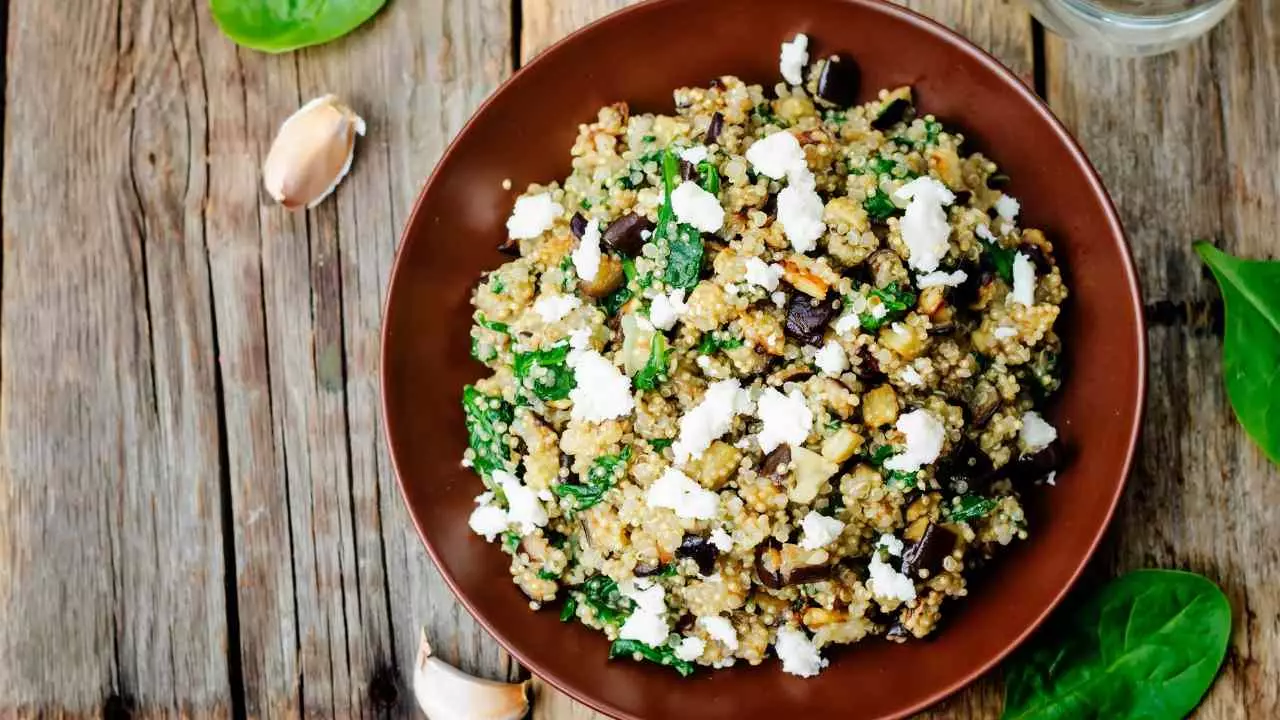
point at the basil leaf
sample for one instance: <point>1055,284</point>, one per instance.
<point>488,420</point>
<point>276,26</point>
<point>488,324</point>
<point>969,507</point>
<point>549,369</point>
<point>1147,646</point>
<point>1251,350</point>
<point>547,575</point>
<point>655,370</point>
<point>662,656</point>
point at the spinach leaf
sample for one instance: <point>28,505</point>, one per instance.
<point>714,342</point>
<point>880,453</point>
<point>999,259</point>
<point>601,594</point>
<point>488,420</point>
<point>710,177</point>
<point>547,575</point>
<point>1251,351</point>
<point>684,263</point>
<point>932,129</point>
<point>549,369</point>
<point>661,444</point>
<point>488,324</point>
<point>969,507</point>
<point>655,370</point>
<point>662,656</point>
<point>282,25</point>
<point>896,300</point>
<point>601,476</point>
<point>878,206</point>
<point>569,610</point>
<point>1147,646</point>
<point>510,541</point>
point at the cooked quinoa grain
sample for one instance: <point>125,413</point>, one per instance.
<point>765,375</point>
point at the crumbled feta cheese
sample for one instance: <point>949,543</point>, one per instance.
<point>675,491</point>
<point>487,520</point>
<point>797,653</point>
<point>697,207</point>
<point>779,298</point>
<point>762,274</point>
<point>777,155</point>
<point>703,361</point>
<point>602,392</point>
<point>831,359</point>
<point>818,530</point>
<point>523,508</point>
<point>552,308</point>
<point>1007,207</point>
<point>939,278</point>
<point>722,540</point>
<point>1004,332</point>
<point>649,597</point>
<point>911,376</point>
<point>545,495</point>
<point>793,58</point>
<point>1036,434</point>
<point>846,324</point>
<point>647,623</point>
<point>731,289</point>
<point>666,309</point>
<point>532,216</point>
<point>586,257</point>
<point>877,309</point>
<point>1051,477</point>
<point>924,225</point>
<point>709,420</point>
<point>924,441</point>
<point>580,339</point>
<point>800,213</point>
<point>787,419</point>
<point>720,630</point>
<point>694,155</point>
<point>690,649</point>
<point>1024,280</point>
<point>890,543</point>
<point>984,232</point>
<point>884,580</point>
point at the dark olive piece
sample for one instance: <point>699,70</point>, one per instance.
<point>1037,257</point>
<point>701,551</point>
<point>770,205</point>
<point>626,234</point>
<point>510,246</point>
<point>966,470</point>
<point>714,129</point>
<point>688,171</point>
<point>807,318</point>
<point>982,402</point>
<point>996,181</point>
<point>645,568</point>
<point>838,82</point>
<point>578,225</point>
<point>769,564</point>
<point>898,633</point>
<point>1038,465</point>
<point>896,111</point>
<point>928,552</point>
<point>867,368</point>
<point>962,197</point>
<point>775,460</point>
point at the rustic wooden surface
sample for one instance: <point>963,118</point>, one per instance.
<point>197,512</point>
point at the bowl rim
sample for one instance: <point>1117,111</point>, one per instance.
<point>986,60</point>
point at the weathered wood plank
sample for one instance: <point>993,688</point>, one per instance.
<point>1186,146</point>
<point>111,563</point>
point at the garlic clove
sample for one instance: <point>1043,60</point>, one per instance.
<point>446,693</point>
<point>312,152</point>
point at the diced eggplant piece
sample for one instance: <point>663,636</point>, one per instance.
<point>898,633</point>
<point>626,234</point>
<point>886,268</point>
<point>770,205</point>
<point>578,225</point>
<point>777,464</point>
<point>1037,257</point>
<point>803,566</point>
<point>714,128</point>
<point>967,470</point>
<point>769,564</point>
<point>807,318</point>
<point>608,278</point>
<point>997,181</point>
<point>867,368</point>
<point>645,568</point>
<point>510,246</point>
<point>701,551</point>
<point>963,197</point>
<point>688,171</point>
<point>838,81</point>
<point>896,110</point>
<point>923,558</point>
<point>1038,465</point>
<point>982,402</point>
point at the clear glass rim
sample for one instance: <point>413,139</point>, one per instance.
<point>1107,15</point>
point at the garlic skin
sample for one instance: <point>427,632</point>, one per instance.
<point>446,693</point>
<point>312,152</point>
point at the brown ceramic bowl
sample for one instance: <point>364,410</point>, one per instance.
<point>640,55</point>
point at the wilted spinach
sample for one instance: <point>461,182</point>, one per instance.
<point>878,206</point>
<point>655,370</point>
<point>282,25</point>
<point>969,507</point>
<point>1147,646</point>
<point>999,259</point>
<point>601,594</point>
<point>552,377</point>
<point>488,419</point>
<point>714,342</point>
<point>684,257</point>
<point>896,301</point>
<point>662,656</point>
<point>1251,349</point>
<point>601,476</point>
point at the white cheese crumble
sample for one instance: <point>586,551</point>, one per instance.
<point>800,213</point>
<point>940,278</point>
<point>523,508</point>
<point>602,392</point>
<point>666,309</point>
<point>552,308</point>
<point>532,216</point>
<point>779,298</point>
<point>984,232</point>
<point>586,257</point>
<point>720,630</point>
<point>487,519</point>
<point>911,377</point>
<point>924,441</point>
<point>1036,434</point>
<point>1004,332</point>
<point>722,540</point>
<point>646,623</point>
<point>762,274</point>
<point>711,418</point>
<point>1024,280</point>
<point>831,359</point>
<point>690,649</point>
<point>787,419</point>
<point>694,155</point>
<point>797,653</point>
<point>676,491</point>
<point>580,339</point>
<point>846,324</point>
<point>884,580</point>
<point>924,224</point>
<point>793,58</point>
<point>1051,477</point>
<point>777,155</point>
<point>818,530</point>
<point>697,207</point>
<point>1007,207</point>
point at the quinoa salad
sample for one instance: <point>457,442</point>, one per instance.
<point>766,373</point>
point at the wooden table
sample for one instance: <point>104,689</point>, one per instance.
<point>197,512</point>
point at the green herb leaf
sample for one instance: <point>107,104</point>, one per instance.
<point>880,453</point>
<point>601,476</point>
<point>684,263</point>
<point>896,300</point>
<point>601,594</point>
<point>879,207</point>
<point>710,177</point>
<point>714,342</point>
<point>662,656</point>
<point>661,444</point>
<point>932,129</point>
<point>569,610</point>
<point>648,138</point>
<point>488,420</point>
<point>655,370</point>
<point>1251,350</point>
<point>276,26</point>
<point>548,575</point>
<point>614,302</point>
<point>969,507</point>
<point>552,377</point>
<point>1147,646</point>
<point>511,541</point>
<point>998,258</point>
<point>488,324</point>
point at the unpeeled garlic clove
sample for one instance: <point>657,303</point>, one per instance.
<point>446,693</point>
<point>312,152</point>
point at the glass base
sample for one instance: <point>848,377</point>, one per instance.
<point>1115,32</point>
